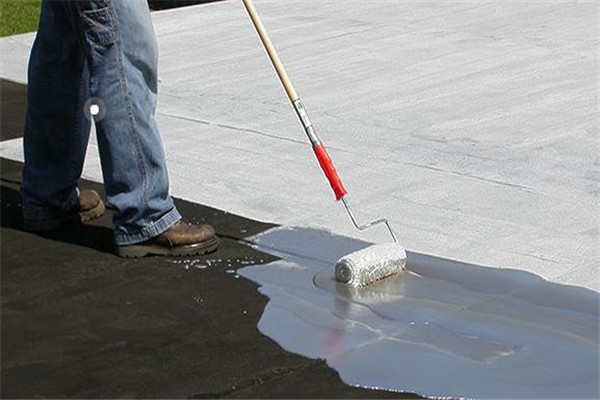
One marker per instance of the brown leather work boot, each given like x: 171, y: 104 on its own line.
x: 90, y: 207
x: 179, y: 240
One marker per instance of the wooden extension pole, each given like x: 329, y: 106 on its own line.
x: 283, y: 76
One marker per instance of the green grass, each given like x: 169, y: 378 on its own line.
x: 19, y: 16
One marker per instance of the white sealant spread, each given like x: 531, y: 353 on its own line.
x: 441, y: 328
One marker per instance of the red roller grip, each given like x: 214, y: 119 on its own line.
x: 330, y: 172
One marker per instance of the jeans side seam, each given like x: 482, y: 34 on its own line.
x: 129, y: 103
x: 75, y: 144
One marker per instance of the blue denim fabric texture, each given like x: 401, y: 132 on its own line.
x: 104, y: 53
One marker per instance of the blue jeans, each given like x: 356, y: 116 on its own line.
x: 100, y: 55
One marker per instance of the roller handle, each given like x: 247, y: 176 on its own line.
x: 275, y: 60
x: 330, y: 172
x: 324, y: 159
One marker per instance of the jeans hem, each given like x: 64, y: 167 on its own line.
x: 150, y: 231
x: 38, y: 213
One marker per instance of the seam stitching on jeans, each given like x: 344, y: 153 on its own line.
x: 154, y: 229
x: 75, y: 143
x: 128, y: 102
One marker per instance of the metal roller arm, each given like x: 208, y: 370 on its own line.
x: 369, y: 224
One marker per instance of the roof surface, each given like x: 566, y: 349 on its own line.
x: 472, y: 126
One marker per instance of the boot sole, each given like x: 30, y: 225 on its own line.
x: 94, y: 213
x: 144, y: 250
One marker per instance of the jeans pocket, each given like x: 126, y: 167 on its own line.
x: 99, y: 26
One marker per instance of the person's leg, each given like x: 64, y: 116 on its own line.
x: 101, y: 53
x: 56, y: 129
x: 120, y: 46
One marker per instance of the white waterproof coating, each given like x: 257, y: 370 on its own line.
x: 370, y: 264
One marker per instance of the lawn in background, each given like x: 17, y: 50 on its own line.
x: 19, y: 16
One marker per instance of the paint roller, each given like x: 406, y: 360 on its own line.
x: 364, y: 266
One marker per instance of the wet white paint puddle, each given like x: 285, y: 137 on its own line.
x: 444, y: 328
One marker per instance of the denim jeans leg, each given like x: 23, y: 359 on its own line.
x: 121, y: 50
x: 56, y: 129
